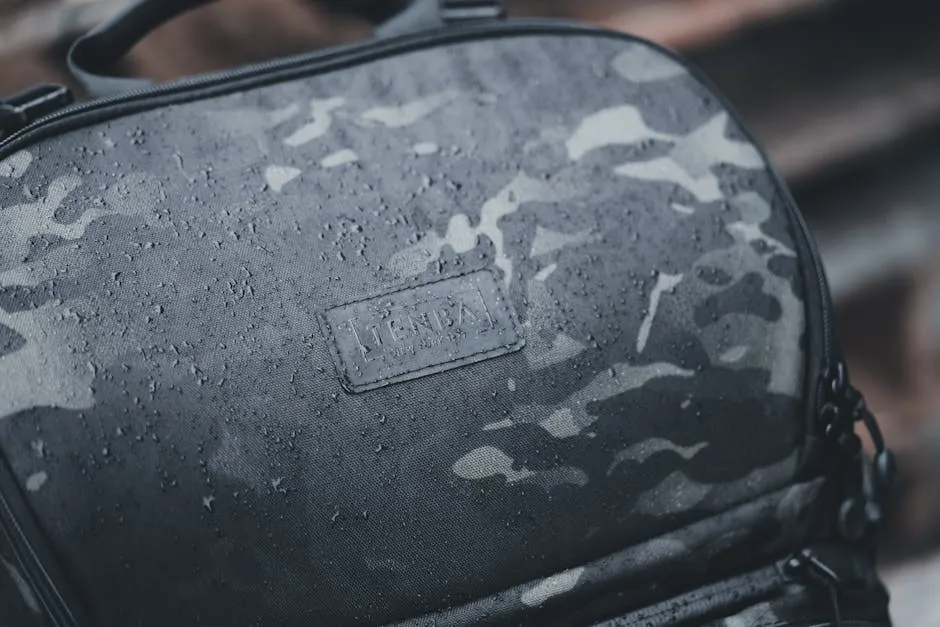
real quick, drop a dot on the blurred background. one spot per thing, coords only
(845, 95)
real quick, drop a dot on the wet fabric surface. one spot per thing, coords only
(170, 402)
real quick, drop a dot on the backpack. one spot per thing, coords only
(480, 322)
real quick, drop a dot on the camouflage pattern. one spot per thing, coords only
(691, 555)
(170, 404)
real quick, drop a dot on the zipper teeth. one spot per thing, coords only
(821, 279)
(825, 300)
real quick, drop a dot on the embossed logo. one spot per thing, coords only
(422, 330)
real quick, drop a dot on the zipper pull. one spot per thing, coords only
(843, 407)
(808, 566)
(22, 109)
(883, 464)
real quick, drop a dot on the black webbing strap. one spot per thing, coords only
(92, 58)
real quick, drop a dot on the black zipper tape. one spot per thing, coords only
(869, 482)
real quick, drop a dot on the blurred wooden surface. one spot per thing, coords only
(690, 24)
(677, 23)
(821, 82)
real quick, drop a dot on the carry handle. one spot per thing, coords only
(93, 54)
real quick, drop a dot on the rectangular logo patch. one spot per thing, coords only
(421, 330)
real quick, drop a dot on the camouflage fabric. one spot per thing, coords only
(394, 339)
(696, 553)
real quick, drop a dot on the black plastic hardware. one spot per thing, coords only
(844, 406)
(23, 108)
(807, 565)
(467, 10)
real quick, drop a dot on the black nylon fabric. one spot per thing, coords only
(174, 409)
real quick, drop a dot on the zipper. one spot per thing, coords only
(24, 108)
(821, 568)
(843, 406)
